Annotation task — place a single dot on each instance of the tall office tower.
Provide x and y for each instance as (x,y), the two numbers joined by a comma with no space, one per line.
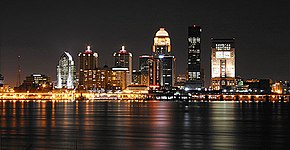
(123,58)
(167,70)
(88,64)
(144,62)
(66,72)
(146,69)
(164,62)
(194,72)
(223,63)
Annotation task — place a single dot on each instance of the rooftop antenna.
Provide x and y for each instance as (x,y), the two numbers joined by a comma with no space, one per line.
(18,72)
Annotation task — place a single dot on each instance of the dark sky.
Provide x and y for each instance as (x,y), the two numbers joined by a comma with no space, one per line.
(39,31)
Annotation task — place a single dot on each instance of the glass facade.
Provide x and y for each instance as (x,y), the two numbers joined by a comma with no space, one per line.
(123,58)
(194,53)
(66,72)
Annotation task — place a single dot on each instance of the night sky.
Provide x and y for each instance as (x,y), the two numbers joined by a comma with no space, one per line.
(39,31)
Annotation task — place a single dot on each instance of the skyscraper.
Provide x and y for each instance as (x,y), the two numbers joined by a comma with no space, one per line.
(123,58)
(88,64)
(66,72)
(223,63)
(163,61)
(194,72)
(146,69)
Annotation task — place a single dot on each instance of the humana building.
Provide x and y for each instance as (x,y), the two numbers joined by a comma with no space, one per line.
(66,72)
(223,63)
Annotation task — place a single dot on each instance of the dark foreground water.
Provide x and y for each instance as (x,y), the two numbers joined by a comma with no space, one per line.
(152,125)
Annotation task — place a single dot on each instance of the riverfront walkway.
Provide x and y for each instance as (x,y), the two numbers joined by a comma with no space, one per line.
(126,96)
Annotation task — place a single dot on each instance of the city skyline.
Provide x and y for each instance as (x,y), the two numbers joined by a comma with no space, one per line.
(39,33)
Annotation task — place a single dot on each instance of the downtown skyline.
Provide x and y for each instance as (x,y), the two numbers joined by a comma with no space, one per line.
(39,33)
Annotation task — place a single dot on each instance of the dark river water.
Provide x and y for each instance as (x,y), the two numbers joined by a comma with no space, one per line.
(151,125)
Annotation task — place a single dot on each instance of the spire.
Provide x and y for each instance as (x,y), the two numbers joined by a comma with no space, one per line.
(88,50)
(123,50)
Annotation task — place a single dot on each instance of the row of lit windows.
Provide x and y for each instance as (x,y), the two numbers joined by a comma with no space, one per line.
(189,60)
(194,51)
(194,40)
(223,82)
(193,75)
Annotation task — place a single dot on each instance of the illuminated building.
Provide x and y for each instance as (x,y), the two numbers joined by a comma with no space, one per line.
(38,79)
(163,73)
(144,62)
(222,63)
(88,64)
(123,58)
(161,43)
(136,77)
(35,83)
(194,72)
(110,80)
(181,79)
(102,79)
(277,88)
(66,72)
(146,69)
(119,78)
(259,85)
(6,88)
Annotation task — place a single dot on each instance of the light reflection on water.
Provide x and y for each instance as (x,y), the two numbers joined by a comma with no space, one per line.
(152,125)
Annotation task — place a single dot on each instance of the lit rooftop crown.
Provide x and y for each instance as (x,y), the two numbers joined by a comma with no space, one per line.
(162,32)
(88,49)
(123,50)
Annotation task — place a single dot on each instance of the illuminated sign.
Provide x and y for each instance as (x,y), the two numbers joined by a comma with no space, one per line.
(119,69)
(223,46)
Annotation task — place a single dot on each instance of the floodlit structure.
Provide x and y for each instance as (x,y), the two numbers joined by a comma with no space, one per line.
(66,72)
(161,44)
(222,63)
(163,73)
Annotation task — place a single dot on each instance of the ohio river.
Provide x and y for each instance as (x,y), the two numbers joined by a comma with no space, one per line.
(151,125)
